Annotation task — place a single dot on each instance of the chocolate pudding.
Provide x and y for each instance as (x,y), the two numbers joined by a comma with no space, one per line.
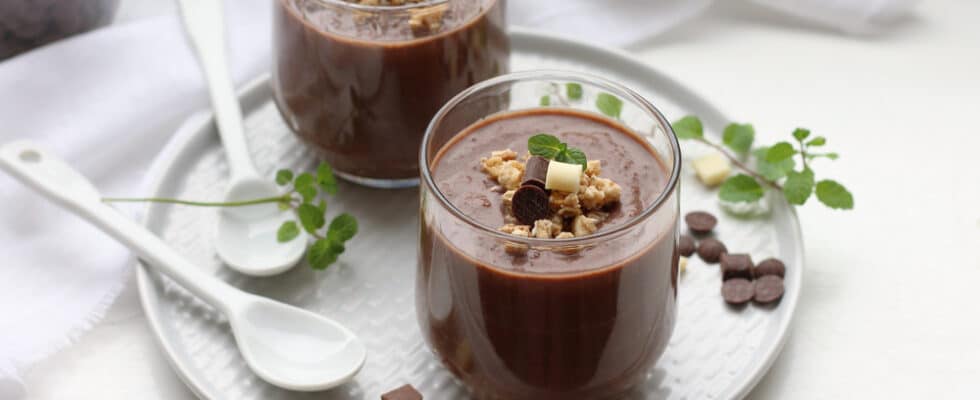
(360,83)
(584,319)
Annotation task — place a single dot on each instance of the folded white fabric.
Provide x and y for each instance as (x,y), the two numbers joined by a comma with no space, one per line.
(106,102)
(109,100)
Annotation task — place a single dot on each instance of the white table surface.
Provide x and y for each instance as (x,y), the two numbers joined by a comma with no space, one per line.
(890,297)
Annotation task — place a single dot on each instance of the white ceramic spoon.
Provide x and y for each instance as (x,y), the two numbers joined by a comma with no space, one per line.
(287,346)
(246,235)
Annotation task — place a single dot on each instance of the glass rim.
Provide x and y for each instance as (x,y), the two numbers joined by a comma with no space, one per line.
(552,75)
(362,7)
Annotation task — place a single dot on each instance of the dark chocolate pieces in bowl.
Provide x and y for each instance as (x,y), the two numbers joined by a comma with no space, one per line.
(737,291)
(711,249)
(736,266)
(770,266)
(686,245)
(700,222)
(405,392)
(768,289)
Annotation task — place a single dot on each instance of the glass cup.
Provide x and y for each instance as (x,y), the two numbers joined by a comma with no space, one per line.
(26,24)
(597,322)
(359,83)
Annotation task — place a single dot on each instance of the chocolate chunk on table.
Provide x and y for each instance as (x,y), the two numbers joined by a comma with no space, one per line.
(770,266)
(686,245)
(768,289)
(406,392)
(529,204)
(737,291)
(736,266)
(700,222)
(711,249)
(536,171)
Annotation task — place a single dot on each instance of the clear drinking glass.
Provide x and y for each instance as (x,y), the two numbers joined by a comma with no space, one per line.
(359,83)
(594,324)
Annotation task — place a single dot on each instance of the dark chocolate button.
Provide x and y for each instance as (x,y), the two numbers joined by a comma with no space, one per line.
(768,289)
(536,171)
(711,249)
(686,245)
(737,291)
(736,266)
(700,222)
(770,266)
(406,392)
(530,203)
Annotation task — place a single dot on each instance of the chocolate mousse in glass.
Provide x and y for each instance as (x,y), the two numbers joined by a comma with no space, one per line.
(573,313)
(359,80)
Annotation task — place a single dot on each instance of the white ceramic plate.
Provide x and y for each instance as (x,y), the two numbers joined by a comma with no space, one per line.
(716,352)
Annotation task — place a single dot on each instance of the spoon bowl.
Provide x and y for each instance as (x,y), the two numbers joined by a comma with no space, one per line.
(247,235)
(294,348)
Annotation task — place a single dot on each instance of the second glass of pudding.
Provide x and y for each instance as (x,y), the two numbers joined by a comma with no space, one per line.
(359,80)
(580,307)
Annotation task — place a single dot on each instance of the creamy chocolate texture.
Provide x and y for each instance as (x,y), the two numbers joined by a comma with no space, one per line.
(548,323)
(361,86)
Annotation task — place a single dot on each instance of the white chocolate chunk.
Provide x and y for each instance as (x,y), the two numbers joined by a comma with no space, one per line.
(682,263)
(563,177)
(712,169)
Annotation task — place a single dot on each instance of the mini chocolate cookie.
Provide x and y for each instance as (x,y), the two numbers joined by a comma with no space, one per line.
(770,266)
(736,266)
(700,222)
(686,245)
(737,291)
(406,392)
(711,249)
(768,289)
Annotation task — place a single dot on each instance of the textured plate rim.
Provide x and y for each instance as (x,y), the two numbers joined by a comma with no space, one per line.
(195,126)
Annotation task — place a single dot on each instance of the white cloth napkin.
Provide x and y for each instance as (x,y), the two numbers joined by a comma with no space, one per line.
(109,100)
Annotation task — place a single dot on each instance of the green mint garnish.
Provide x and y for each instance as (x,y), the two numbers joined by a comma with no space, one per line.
(573,91)
(776,166)
(550,147)
(545,101)
(302,199)
(610,105)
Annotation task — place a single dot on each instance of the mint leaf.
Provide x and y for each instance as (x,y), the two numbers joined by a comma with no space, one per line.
(817,141)
(545,101)
(573,156)
(834,195)
(739,137)
(801,133)
(342,228)
(689,127)
(832,156)
(307,192)
(544,145)
(323,253)
(310,217)
(772,171)
(284,176)
(287,231)
(741,188)
(609,105)
(779,152)
(798,186)
(573,91)
(304,180)
(322,206)
(325,178)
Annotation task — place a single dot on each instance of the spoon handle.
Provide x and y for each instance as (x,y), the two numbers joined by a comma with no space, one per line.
(204,25)
(57,181)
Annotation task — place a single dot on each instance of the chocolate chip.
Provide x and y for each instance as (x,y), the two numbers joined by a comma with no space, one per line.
(536,171)
(700,222)
(736,266)
(530,203)
(406,392)
(737,291)
(769,289)
(686,245)
(711,249)
(770,266)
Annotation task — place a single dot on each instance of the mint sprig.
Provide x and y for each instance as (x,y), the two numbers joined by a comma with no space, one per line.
(775,166)
(301,194)
(550,147)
